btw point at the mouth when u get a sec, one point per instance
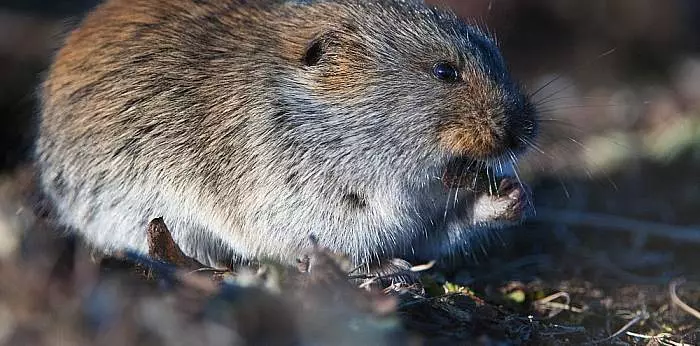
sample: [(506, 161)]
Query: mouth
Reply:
[(475, 175)]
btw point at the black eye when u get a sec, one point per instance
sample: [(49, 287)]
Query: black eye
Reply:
[(445, 72)]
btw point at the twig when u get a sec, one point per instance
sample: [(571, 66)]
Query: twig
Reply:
[(660, 338), (162, 246), (686, 234), (677, 301), (414, 269), (167, 261), (641, 316), (372, 278), (171, 272), (557, 307), (422, 267)]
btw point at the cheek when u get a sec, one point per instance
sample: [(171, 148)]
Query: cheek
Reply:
[(473, 140), (343, 79), (476, 123)]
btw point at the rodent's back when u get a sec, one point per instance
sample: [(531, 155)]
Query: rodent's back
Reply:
[(255, 124), (135, 115), (138, 67)]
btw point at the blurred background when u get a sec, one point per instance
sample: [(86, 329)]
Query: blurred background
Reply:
[(616, 171)]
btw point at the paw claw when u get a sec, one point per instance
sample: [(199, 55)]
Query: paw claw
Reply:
[(509, 187), (515, 194), (506, 184)]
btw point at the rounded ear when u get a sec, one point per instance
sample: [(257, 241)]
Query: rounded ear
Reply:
[(317, 48)]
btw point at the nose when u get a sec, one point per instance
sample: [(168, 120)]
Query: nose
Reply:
[(522, 129), (512, 140)]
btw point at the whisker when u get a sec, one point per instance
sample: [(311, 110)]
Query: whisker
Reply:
[(577, 142), (447, 204), (555, 93), (551, 122), (498, 236), (569, 107), (461, 174), (562, 98), (533, 146), (476, 176), (498, 167), (560, 75), (585, 150), (483, 248), (488, 179), (447, 199), (514, 165), (556, 120), (542, 87), (565, 189)]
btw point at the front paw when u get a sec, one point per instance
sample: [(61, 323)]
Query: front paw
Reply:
[(509, 204), (515, 199)]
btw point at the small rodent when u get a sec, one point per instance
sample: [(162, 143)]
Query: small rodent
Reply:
[(251, 125)]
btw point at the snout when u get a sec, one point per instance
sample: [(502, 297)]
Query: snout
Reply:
[(490, 124), (484, 137)]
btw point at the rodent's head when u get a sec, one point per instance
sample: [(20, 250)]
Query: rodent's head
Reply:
[(402, 82)]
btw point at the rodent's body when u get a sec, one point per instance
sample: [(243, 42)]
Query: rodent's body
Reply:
[(249, 127)]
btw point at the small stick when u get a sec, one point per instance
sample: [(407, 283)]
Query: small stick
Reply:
[(640, 317), (169, 271), (557, 307), (660, 338), (677, 301), (162, 247), (415, 269)]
